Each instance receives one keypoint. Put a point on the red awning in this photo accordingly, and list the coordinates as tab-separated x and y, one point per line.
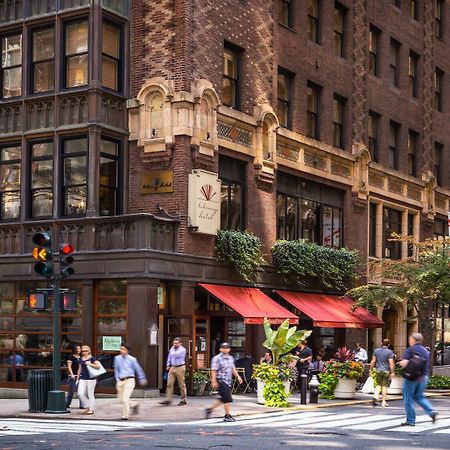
252	304
331	310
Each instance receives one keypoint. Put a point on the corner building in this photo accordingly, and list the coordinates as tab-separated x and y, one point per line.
315	120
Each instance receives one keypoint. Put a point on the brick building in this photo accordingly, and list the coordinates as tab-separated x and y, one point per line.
317	120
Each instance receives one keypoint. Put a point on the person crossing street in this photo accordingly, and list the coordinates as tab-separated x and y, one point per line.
383	361
176	367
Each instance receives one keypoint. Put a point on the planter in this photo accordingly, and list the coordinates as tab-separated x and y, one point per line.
260	390
345	389
396	386
200	389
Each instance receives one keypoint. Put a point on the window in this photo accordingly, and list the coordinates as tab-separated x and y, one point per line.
338	121
412	73
413	9
76	54
11	66
392	223
373	127
43	71
284	101
374	38
440	229
111	66
313	20
394	63
41	180
438	152
285	12
10	160
410	233
412	153
74	162
396	3
230	87
373	230
232	176
339	24
438	84
312	110
394	129
109	178
438	21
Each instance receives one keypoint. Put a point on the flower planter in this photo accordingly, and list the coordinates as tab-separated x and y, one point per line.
260	390
199	390
396	386
345	389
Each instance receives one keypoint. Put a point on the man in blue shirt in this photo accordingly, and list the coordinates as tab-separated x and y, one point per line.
414	389
176	367
126	370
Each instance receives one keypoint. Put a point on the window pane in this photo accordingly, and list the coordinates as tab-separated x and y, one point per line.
76	38
12	82
10	207
281	211
108	172
110	69
309	221
230	66
109	147
107	200
12	51
43	44
10	153
77	71
291	218
110	40
42	174
9	177
75	146
74	170
44	76
75	200
228	92
42	201
112	288
116	306
283	91
42	149
327	226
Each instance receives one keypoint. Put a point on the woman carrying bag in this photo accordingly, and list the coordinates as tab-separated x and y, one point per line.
87	380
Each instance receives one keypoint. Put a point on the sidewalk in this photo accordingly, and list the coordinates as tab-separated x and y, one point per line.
151	410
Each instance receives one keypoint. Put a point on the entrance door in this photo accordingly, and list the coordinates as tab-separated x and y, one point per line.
202	351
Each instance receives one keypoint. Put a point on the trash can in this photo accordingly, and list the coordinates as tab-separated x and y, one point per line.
40	382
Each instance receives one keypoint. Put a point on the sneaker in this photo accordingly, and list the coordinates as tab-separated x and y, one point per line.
229	418
165	402
208	412
407	424
182	403
375	402
384	405
90	413
434	417
135	409
125	418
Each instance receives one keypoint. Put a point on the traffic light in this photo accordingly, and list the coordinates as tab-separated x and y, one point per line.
66	260
69	301
43	254
37	301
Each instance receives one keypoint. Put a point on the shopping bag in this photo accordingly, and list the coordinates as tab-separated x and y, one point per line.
369	386
94	372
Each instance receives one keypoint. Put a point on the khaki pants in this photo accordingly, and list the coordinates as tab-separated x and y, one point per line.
124	390
176	373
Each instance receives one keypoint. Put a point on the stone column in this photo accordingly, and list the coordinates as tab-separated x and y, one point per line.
87	304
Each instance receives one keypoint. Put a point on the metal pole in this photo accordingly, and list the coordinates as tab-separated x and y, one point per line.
303	388
56	335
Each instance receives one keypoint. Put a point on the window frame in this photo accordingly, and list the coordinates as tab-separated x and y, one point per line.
413	65
373	141
437	162
373	229
388	225
413	138
413	10
438	88
288	76
394	65
119	179
374	41
314	20
119	60
32	63
2	192
339	35
339	127
393	149
439	14
237	53
316	90
4	35
287	7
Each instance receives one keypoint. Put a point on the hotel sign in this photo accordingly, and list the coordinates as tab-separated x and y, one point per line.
204	201
157	182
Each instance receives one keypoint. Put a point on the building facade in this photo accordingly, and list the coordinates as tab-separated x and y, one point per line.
317	120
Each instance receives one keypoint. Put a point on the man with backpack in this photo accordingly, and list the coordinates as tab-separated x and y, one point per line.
415	372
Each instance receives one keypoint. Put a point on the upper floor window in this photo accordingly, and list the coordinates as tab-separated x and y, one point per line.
10	173
109	178
394	63
374	38
414	9
43	60
284	98
285	12
313	20
412	153
438	85
230	86
438	153
339	26
312	110
412	73
76	54
41	180
392	223
111	56
373	229
11	66
74	180
440	229
373	127
394	129
440	4
397	3
338	121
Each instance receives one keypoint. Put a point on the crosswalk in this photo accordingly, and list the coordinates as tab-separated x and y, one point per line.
376	421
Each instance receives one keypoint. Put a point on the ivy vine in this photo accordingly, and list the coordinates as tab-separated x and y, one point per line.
242	250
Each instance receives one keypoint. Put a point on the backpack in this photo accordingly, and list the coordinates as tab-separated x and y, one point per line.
416	367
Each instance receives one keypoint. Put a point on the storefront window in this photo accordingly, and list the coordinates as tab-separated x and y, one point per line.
236	337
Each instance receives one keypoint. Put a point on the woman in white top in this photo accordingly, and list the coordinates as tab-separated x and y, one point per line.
86	386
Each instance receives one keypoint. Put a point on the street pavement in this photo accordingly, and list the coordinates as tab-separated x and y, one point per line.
343	427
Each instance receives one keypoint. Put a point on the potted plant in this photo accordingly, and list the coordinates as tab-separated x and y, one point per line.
273	380
338	379
200	381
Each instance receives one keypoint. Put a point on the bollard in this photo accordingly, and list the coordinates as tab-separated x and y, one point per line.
303	388
314	390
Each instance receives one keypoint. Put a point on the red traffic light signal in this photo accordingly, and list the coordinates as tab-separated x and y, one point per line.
37	301
67	249
69	301
66	260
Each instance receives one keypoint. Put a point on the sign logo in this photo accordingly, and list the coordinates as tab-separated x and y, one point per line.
157	182
207	191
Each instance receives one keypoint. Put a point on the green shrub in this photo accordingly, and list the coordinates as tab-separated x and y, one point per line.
438	382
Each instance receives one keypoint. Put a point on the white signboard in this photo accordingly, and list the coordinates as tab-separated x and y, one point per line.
111	343
204	201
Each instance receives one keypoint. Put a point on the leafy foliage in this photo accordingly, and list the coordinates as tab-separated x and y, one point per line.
267	372
301	262
275	394
328	383
343	354
240	249
439	382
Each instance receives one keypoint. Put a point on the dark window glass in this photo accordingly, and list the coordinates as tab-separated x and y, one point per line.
374	38
312	110
394	129
397	3
440	229
75	176
285	12
40	7
438	153
412	153
394	63
439	15
284	100
391	224
412	73
10	171
43	60
338	121
410	233
413	9
313	20
11	66
287	217
109	178
111	56
373	230
230	84
438	85
41	183
76	54
339	25
373	127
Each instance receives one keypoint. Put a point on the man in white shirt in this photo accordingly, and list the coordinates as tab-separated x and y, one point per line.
360	353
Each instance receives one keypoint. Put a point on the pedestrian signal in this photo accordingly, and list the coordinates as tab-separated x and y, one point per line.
37	301
69	302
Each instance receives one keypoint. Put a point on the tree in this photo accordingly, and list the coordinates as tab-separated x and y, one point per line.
423	280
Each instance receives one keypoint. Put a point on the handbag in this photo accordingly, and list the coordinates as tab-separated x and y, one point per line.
94	372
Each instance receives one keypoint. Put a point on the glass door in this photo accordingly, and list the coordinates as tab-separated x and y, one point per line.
201	343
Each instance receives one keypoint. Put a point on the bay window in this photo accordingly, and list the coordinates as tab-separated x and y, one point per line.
43	60
11	65
109	177
111	56
76	54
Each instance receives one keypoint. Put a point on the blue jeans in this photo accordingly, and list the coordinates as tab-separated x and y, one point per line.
72	389
413	390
